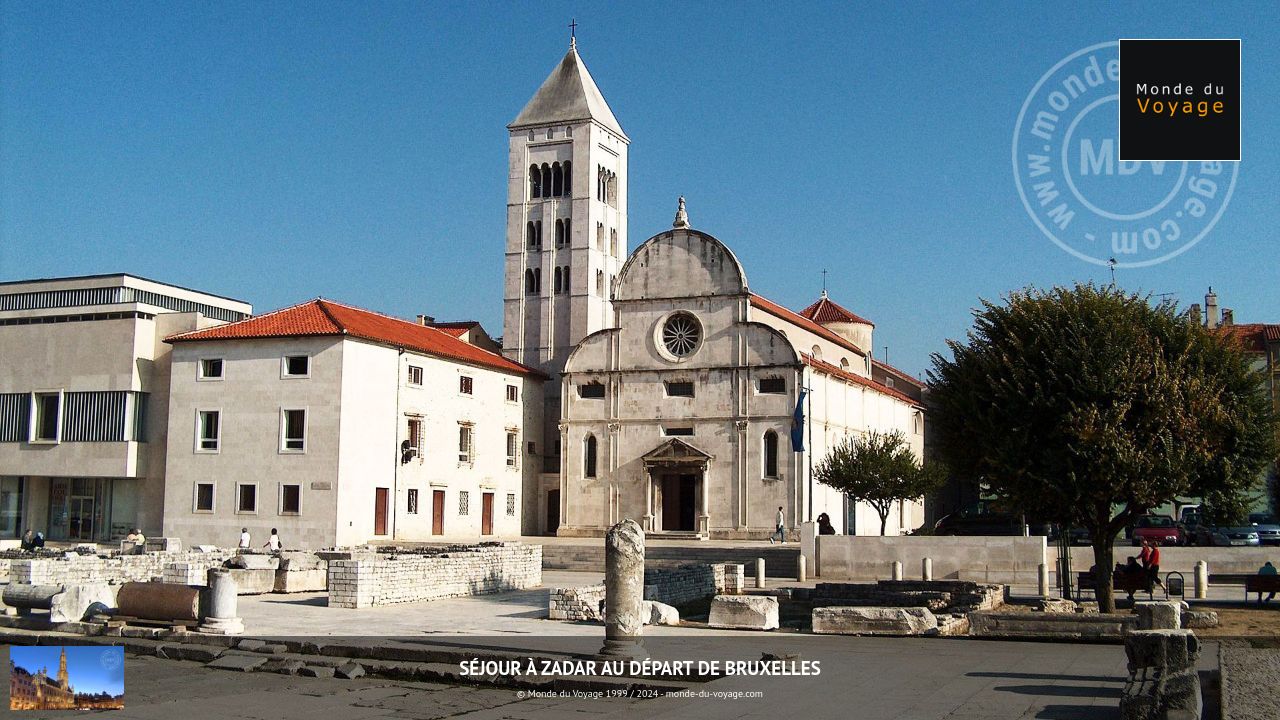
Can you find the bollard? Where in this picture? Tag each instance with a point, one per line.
(624, 591)
(759, 572)
(897, 569)
(1043, 578)
(222, 603)
(1202, 580)
(926, 569)
(800, 569)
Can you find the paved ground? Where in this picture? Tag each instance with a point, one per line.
(862, 678)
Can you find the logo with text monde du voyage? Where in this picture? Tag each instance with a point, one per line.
(1131, 160)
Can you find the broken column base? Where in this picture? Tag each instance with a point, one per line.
(222, 626)
(628, 649)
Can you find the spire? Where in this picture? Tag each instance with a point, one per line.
(568, 95)
(682, 217)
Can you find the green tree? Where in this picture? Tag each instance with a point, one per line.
(878, 469)
(1089, 406)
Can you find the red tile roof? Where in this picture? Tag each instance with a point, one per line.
(326, 317)
(456, 329)
(825, 311)
(1253, 336)
(829, 369)
(901, 374)
(790, 316)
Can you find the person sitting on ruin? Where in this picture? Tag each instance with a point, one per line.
(246, 541)
(1267, 570)
(273, 542)
(38, 542)
(824, 525)
(135, 541)
(29, 540)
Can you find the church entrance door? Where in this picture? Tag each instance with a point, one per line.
(679, 502)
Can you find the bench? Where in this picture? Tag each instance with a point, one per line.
(1120, 582)
(1261, 584)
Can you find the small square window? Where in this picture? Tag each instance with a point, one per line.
(513, 393)
(592, 390)
(293, 431)
(773, 385)
(533, 448)
(210, 369)
(208, 430)
(297, 366)
(246, 498)
(679, 388)
(464, 502)
(204, 498)
(511, 504)
(465, 384)
(415, 375)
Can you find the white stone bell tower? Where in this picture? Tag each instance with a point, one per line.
(566, 224)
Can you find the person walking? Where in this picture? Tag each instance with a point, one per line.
(780, 530)
(1150, 558)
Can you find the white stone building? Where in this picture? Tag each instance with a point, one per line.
(695, 442)
(338, 425)
(84, 399)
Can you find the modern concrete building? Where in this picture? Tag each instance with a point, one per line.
(84, 398)
(682, 413)
(338, 426)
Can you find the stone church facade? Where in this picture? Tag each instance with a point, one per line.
(676, 388)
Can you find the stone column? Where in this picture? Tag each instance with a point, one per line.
(624, 591)
(897, 570)
(1042, 578)
(759, 572)
(926, 569)
(1202, 580)
(221, 618)
(801, 575)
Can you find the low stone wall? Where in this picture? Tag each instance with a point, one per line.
(1005, 560)
(85, 569)
(1106, 627)
(387, 579)
(936, 595)
(581, 603)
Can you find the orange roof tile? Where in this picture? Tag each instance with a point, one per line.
(326, 317)
(899, 373)
(457, 328)
(790, 316)
(1253, 336)
(829, 369)
(825, 311)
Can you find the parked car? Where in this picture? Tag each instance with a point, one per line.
(1268, 527)
(985, 518)
(1191, 521)
(1160, 529)
(1078, 535)
(1207, 534)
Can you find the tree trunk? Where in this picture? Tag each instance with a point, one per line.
(884, 519)
(1103, 560)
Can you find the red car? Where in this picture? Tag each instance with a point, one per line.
(1159, 529)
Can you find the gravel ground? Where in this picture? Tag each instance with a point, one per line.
(1250, 679)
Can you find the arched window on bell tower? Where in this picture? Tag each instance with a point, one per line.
(535, 182)
(568, 177)
(557, 180)
(556, 287)
(546, 180)
(589, 457)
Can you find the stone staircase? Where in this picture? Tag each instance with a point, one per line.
(779, 561)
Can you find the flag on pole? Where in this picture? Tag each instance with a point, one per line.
(797, 424)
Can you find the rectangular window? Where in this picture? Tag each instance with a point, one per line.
(593, 390)
(533, 448)
(210, 369)
(293, 431)
(773, 385)
(204, 498)
(677, 431)
(679, 388)
(290, 499)
(246, 498)
(513, 448)
(464, 502)
(208, 430)
(511, 504)
(47, 411)
(412, 507)
(888, 382)
(296, 366)
(465, 384)
(513, 393)
(413, 441)
(465, 443)
(415, 375)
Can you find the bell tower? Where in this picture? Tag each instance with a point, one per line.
(566, 224)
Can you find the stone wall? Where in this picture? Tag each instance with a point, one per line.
(674, 586)
(1006, 560)
(84, 569)
(387, 579)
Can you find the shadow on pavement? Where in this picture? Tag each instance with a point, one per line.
(1046, 676)
(1061, 690)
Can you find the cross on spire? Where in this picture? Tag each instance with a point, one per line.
(824, 282)
(573, 32)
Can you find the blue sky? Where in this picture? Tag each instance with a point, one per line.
(86, 670)
(276, 152)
